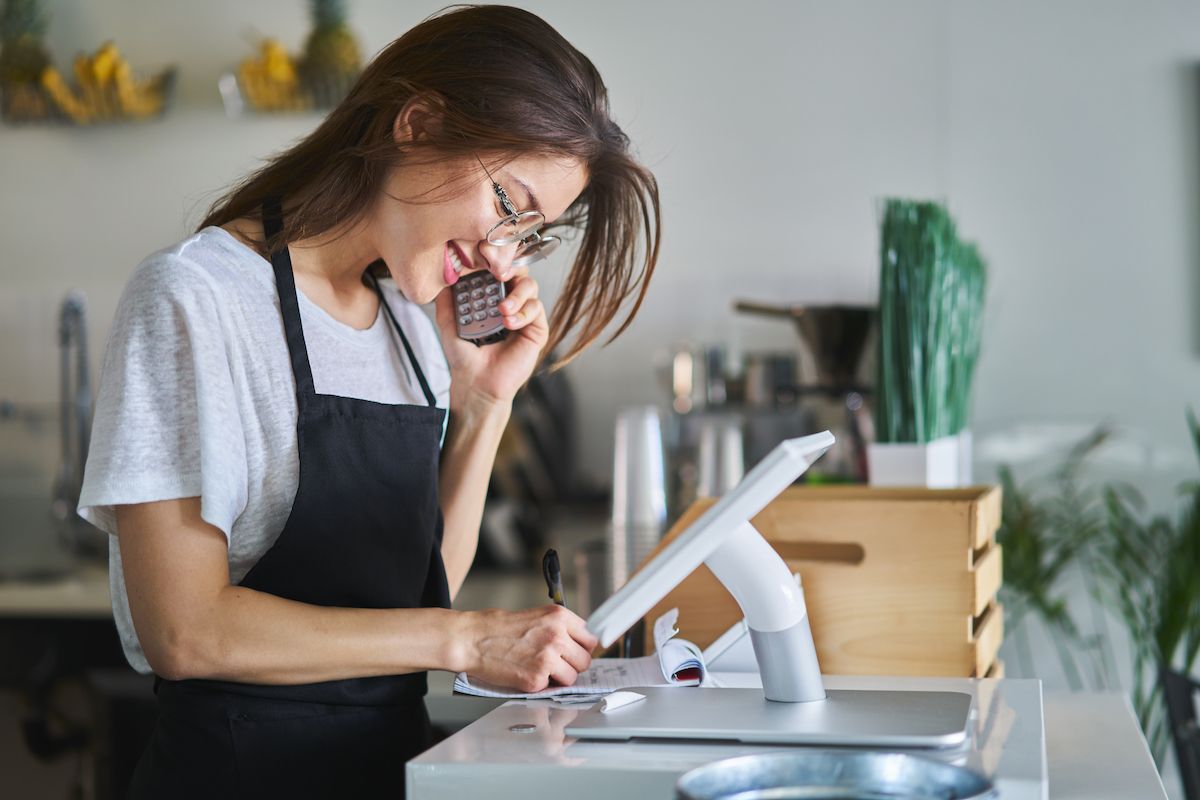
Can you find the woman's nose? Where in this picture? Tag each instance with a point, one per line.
(498, 258)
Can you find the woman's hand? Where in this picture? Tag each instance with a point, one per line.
(493, 373)
(526, 650)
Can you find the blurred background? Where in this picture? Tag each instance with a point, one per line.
(1062, 137)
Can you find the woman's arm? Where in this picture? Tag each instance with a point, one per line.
(483, 382)
(192, 623)
(466, 467)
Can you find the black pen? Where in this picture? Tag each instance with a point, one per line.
(553, 575)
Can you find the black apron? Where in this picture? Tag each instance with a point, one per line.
(365, 531)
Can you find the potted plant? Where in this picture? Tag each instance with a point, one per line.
(930, 322)
(1048, 525)
(1151, 578)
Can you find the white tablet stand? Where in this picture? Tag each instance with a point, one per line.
(750, 569)
(773, 603)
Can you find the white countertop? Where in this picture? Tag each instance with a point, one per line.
(1096, 749)
(1009, 746)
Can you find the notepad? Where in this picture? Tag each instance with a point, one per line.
(675, 662)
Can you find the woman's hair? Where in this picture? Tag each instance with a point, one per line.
(504, 84)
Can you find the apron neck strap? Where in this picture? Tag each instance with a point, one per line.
(412, 358)
(289, 306)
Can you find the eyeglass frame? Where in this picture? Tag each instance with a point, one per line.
(545, 244)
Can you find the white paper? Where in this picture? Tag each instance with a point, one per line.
(676, 655)
(619, 700)
(607, 675)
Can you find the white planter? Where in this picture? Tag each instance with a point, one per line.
(966, 455)
(941, 464)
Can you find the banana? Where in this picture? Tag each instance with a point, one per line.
(74, 107)
(270, 82)
(136, 100)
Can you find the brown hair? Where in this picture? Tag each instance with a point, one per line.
(505, 83)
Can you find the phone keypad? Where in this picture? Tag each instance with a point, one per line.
(477, 298)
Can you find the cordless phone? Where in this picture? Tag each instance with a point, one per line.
(477, 299)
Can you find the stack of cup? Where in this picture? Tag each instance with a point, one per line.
(720, 462)
(639, 508)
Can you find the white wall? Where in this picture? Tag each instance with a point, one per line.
(1063, 136)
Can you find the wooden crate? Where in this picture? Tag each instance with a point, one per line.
(897, 581)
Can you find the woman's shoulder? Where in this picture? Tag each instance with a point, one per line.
(211, 261)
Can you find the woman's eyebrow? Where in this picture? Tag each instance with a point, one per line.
(529, 193)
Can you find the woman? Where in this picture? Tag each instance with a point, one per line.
(292, 512)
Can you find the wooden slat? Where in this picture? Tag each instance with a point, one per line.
(988, 635)
(988, 575)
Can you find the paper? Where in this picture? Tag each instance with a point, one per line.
(677, 662)
(680, 660)
(619, 700)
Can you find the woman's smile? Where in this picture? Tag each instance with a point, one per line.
(454, 262)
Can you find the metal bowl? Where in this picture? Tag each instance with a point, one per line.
(817, 775)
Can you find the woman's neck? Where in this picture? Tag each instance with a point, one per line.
(329, 269)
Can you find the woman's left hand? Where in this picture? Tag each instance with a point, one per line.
(493, 373)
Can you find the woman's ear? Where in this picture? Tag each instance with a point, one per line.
(420, 118)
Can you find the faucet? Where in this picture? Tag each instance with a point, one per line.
(75, 418)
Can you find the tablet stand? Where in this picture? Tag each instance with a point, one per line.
(773, 603)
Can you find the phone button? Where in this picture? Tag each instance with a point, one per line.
(480, 316)
(492, 288)
(464, 320)
(493, 312)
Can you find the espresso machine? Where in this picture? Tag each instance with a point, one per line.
(834, 381)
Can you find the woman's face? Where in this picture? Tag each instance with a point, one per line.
(430, 235)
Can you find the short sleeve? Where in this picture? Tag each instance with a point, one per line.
(166, 423)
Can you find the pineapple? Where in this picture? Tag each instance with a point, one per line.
(22, 56)
(331, 51)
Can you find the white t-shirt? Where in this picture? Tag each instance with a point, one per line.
(197, 396)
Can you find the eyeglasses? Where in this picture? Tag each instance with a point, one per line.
(519, 228)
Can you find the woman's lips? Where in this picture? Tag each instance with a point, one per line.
(454, 262)
(448, 273)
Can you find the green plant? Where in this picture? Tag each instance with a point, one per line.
(23, 58)
(1151, 569)
(1044, 535)
(930, 311)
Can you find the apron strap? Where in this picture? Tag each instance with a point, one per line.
(289, 306)
(412, 358)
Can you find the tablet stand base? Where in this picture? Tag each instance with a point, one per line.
(845, 718)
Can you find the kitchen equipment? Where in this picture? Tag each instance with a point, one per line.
(835, 336)
(834, 340)
(75, 420)
(770, 380)
(832, 776)
(639, 502)
(692, 376)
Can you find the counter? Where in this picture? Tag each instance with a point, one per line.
(1090, 747)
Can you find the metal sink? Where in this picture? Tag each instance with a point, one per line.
(832, 775)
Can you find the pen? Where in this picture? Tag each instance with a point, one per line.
(553, 575)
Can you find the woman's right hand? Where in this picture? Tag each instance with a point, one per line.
(526, 650)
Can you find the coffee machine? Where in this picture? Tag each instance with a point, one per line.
(832, 385)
